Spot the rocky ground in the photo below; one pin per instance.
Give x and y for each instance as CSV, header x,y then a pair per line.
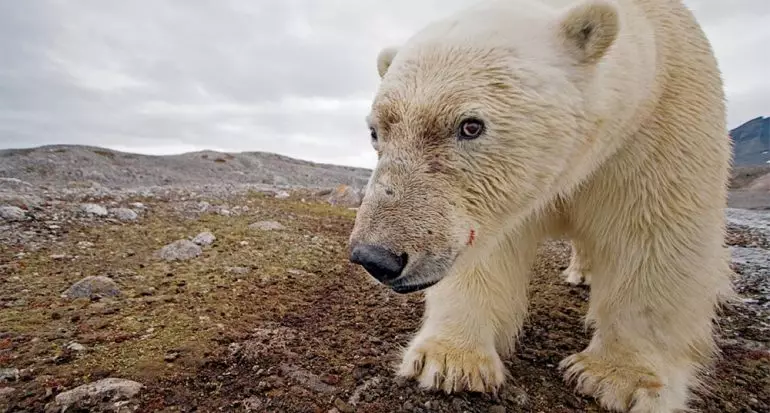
x,y
205,297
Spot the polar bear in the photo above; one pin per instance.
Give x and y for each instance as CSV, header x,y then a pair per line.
x,y
602,121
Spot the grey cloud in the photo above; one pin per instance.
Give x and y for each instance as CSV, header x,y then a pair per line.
x,y
291,76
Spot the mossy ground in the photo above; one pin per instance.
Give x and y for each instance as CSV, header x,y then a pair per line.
x,y
302,330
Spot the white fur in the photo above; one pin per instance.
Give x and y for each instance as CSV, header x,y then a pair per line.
x,y
620,144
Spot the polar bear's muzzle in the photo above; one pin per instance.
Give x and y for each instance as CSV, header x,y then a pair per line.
x,y
397,271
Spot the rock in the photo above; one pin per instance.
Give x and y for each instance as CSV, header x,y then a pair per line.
x,y
252,404
12,213
342,406
518,396
306,379
204,239
91,286
106,395
267,226
282,195
345,195
180,250
137,205
74,346
26,202
237,270
13,183
94,209
9,374
125,214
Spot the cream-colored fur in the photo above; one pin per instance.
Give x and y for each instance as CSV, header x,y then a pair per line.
x,y
605,122
579,270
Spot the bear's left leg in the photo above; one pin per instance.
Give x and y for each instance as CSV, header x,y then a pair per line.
x,y
653,300
472,319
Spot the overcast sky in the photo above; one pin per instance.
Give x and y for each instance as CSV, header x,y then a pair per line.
x,y
288,76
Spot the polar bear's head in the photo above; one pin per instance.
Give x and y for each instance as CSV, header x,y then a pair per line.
x,y
476,120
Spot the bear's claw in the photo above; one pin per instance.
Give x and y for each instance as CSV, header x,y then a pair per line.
x,y
616,387
438,366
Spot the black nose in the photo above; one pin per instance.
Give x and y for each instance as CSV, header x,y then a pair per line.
x,y
379,262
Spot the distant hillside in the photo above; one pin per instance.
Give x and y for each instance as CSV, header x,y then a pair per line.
x,y
752,142
61,164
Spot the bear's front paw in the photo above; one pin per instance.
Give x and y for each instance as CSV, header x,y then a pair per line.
x,y
577,276
438,365
618,387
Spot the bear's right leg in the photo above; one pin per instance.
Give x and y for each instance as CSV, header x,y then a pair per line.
x,y
472,318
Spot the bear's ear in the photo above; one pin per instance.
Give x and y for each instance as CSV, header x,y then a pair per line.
x,y
385,58
589,29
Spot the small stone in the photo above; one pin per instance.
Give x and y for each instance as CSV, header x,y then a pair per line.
x,y
282,195
204,239
267,226
9,374
224,212
180,250
94,209
138,205
171,356
125,214
74,346
12,213
85,244
91,286
58,256
237,270
342,406
252,404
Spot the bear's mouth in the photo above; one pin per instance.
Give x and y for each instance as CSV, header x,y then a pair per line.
x,y
423,273
406,288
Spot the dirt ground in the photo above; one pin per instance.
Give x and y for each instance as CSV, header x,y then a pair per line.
x,y
295,328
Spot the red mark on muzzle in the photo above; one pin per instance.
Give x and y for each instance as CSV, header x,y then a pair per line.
x,y
471,237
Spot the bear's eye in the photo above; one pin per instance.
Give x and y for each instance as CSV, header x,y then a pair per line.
x,y
470,129
373,133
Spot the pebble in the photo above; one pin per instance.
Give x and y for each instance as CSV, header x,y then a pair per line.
x,y
12,213
267,226
125,214
204,239
342,406
94,209
9,374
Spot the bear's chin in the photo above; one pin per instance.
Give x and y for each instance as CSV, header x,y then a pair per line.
x,y
423,273
406,288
